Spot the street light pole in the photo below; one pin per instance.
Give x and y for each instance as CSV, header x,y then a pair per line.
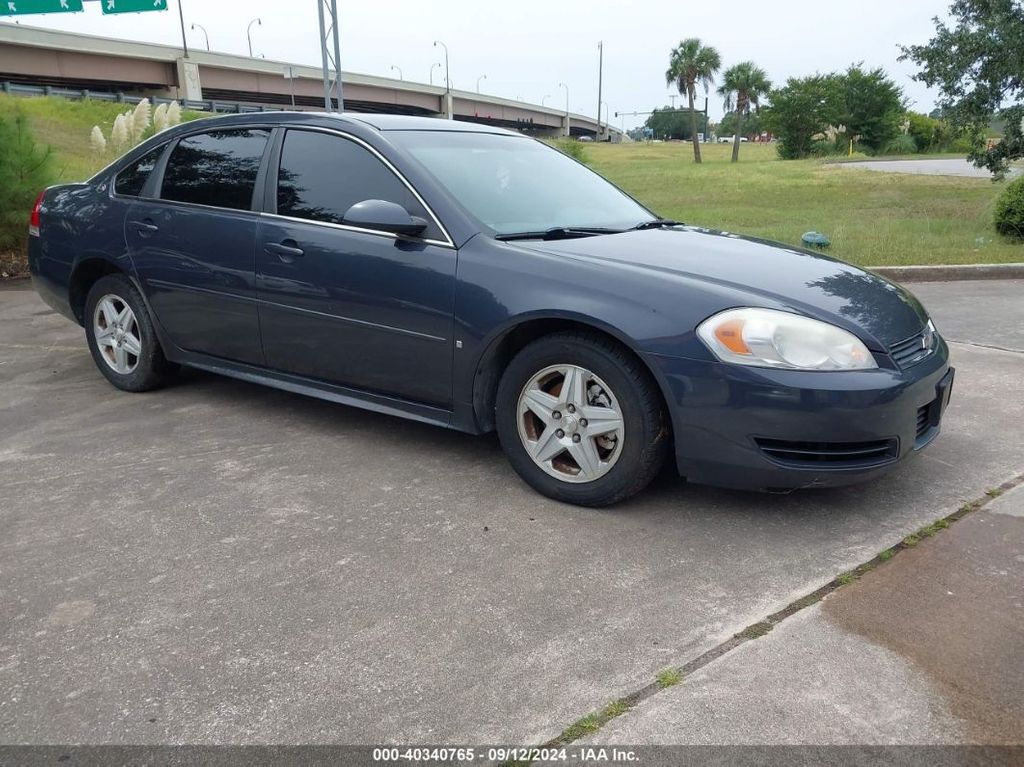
x,y
481,77
435,64
568,132
546,97
248,33
447,81
181,18
399,70
600,76
289,74
202,29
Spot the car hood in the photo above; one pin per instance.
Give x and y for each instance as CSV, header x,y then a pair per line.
x,y
778,275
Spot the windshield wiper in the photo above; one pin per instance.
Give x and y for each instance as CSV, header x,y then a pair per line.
x,y
559,233
658,223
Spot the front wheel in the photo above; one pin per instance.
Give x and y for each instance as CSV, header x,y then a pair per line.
x,y
581,420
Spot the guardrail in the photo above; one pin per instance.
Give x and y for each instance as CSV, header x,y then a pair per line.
x,y
217,107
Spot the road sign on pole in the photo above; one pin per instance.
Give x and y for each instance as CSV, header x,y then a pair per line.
x,y
133,6
26,7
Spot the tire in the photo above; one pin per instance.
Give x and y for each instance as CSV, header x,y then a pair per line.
x,y
628,457
126,351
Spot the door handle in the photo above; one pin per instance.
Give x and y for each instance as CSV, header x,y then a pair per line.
x,y
145,228
286,251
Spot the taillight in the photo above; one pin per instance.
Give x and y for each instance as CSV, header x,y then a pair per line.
x,y
33,222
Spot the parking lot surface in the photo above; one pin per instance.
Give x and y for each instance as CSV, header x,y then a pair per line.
x,y
219,562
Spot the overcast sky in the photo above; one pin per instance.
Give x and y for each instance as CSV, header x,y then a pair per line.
x,y
526,47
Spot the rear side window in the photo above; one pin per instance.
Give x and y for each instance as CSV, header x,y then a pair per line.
x,y
322,176
130,181
216,169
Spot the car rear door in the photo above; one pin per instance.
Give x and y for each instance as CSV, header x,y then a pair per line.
x,y
352,306
193,247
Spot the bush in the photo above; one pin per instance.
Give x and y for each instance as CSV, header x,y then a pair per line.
x,y
1010,210
25,169
902,144
571,147
825,148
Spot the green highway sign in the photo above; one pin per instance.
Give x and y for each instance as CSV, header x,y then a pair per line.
x,y
132,6
25,7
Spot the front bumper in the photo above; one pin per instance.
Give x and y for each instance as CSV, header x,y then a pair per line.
x,y
762,429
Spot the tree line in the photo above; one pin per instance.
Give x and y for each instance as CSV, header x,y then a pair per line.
x,y
975,62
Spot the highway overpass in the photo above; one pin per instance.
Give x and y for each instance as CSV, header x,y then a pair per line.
x,y
35,56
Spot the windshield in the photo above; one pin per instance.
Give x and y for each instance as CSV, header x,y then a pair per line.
x,y
514,184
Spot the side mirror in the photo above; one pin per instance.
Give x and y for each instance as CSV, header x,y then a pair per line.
x,y
385,216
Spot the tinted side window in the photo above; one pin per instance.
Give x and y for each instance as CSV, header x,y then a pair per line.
x,y
322,176
130,181
217,169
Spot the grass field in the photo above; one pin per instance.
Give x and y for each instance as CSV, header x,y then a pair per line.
x,y
65,126
872,218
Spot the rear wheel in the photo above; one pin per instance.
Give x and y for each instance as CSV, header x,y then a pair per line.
x,y
121,336
581,420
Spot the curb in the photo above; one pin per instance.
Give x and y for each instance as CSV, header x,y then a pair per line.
x,y
936,273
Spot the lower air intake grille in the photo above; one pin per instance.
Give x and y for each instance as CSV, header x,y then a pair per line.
x,y
831,455
923,421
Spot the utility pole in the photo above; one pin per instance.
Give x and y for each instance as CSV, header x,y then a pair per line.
x,y
330,53
600,75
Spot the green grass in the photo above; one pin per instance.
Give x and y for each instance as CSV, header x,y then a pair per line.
x,y
65,125
669,677
872,218
593,721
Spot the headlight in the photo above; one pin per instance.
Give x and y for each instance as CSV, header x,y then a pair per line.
x,y
772,339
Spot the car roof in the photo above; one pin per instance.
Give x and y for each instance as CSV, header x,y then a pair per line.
x,y
380,122
386,122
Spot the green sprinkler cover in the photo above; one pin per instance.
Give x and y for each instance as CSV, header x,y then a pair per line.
x,y
816,240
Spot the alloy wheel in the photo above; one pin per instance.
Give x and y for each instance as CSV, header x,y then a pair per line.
x,y
570,423
117,334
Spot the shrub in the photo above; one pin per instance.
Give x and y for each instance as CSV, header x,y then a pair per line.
x,y
571,147
902,144
1009,213
25,169
825,148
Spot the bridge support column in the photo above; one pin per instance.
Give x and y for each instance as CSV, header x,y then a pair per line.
x,y
189,86
566,129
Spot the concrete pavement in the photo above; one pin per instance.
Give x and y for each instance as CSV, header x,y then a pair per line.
x,y
931,167
223,563
925,649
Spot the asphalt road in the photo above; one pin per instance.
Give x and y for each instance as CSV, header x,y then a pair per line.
x,y
219,562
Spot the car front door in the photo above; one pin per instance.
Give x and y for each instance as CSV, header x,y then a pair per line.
x,y
193,248
346,305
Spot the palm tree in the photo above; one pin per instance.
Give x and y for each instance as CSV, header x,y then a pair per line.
x,y
691,63
743,87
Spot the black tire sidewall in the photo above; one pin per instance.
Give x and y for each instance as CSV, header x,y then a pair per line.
x,y
642,454
149,373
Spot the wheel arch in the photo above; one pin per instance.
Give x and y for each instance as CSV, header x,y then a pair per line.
x,y
85,273
511,339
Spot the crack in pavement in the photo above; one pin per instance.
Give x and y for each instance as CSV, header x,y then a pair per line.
x,y
669,677
985,346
